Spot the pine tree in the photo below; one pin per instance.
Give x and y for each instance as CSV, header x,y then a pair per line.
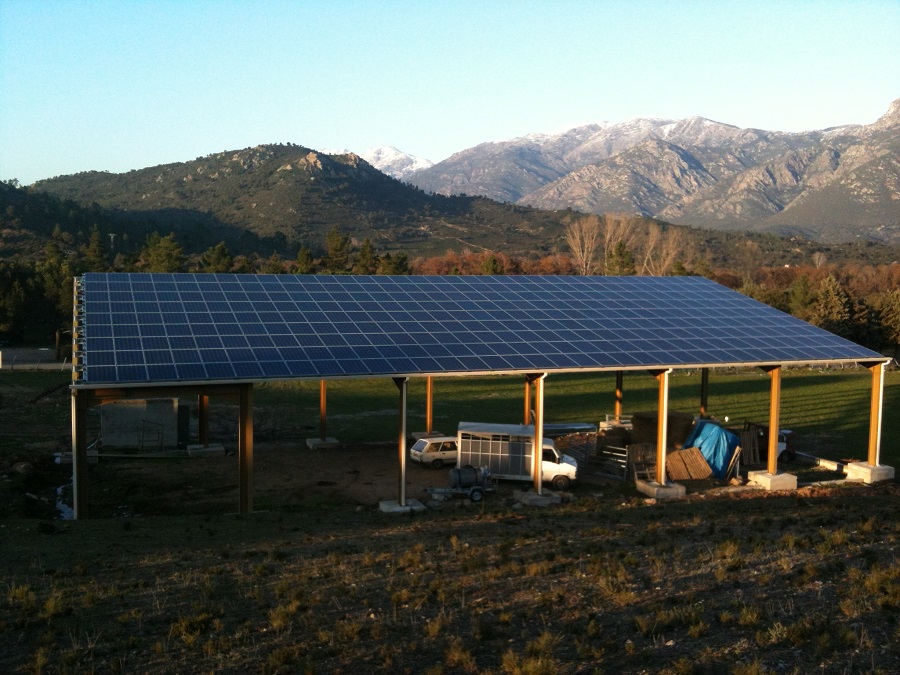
x,y
890,319
366,261
491,266
304,262
274,264
95,257
833,309
216,259
620,262
162,254
393,264
337,252
801,297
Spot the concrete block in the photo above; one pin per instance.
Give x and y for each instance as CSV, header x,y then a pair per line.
x,y
772,481
531,498
657,491
203,450
394,506
320,444
868,473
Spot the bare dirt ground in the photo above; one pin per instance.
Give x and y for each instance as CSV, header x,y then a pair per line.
x,y
167,578
285,475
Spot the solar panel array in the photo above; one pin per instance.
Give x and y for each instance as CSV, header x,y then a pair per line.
x,y
161,328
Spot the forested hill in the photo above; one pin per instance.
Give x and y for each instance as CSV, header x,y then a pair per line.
x,y
279,197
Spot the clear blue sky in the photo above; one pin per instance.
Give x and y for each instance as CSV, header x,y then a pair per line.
x,y
127,84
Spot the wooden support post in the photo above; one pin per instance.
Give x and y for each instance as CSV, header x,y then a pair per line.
x,y
774,416
79,453
245,449
662,420
537,448
526,417
401,383
429,404
620,394
704,391
323,418
203,419
875,413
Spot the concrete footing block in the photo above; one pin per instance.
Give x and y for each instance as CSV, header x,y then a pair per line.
x,y
323,443
869,473
532,498
203,450
772,481
394,506
658,491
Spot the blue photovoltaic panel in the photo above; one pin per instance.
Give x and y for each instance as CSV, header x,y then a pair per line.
x,y
143,328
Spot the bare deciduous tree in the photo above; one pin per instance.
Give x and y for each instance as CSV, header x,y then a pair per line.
x,y
662,247
583,238
819,259
617,229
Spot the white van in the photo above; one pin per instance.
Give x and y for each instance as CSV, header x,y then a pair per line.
x,y
434,452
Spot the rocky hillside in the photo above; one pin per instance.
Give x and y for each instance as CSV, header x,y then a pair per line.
x,y
278,197
838,184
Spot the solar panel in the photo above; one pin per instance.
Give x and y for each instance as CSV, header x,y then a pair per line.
x,y
154,328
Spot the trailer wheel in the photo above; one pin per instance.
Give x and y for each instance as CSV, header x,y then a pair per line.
x,y
476,495
560,482
437,463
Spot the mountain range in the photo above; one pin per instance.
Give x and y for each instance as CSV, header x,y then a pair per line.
x,y
833,185
278,197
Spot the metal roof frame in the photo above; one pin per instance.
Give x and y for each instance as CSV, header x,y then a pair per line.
x,y
140,335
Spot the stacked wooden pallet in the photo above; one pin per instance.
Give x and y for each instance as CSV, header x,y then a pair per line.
x,y
687,464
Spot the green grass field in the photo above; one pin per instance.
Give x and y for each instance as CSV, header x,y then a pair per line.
x,y
830,405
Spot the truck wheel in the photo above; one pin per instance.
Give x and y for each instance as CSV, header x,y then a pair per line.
x,y
787,456
560,482
437,463
476,495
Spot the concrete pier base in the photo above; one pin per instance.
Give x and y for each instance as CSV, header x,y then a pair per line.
x,y
868,473
323,444
772,481
393,506
203,450
657,491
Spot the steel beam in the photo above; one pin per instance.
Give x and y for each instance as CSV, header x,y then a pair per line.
x,y
537,447
620,394
526,415
429,404
774,416
79,453
704,391
402,384
875,413
662,420
323,417
245,450
203,419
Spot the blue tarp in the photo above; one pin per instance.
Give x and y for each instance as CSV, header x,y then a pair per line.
x,y
717,445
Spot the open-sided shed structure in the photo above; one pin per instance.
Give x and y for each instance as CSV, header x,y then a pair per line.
x,y
153,335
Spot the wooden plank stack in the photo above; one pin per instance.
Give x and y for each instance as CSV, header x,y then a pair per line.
x,y
687,464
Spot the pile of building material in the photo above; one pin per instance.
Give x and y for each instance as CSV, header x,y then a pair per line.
x,y
687,464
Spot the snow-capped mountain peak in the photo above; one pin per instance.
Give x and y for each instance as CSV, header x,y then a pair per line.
x,y
394,162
